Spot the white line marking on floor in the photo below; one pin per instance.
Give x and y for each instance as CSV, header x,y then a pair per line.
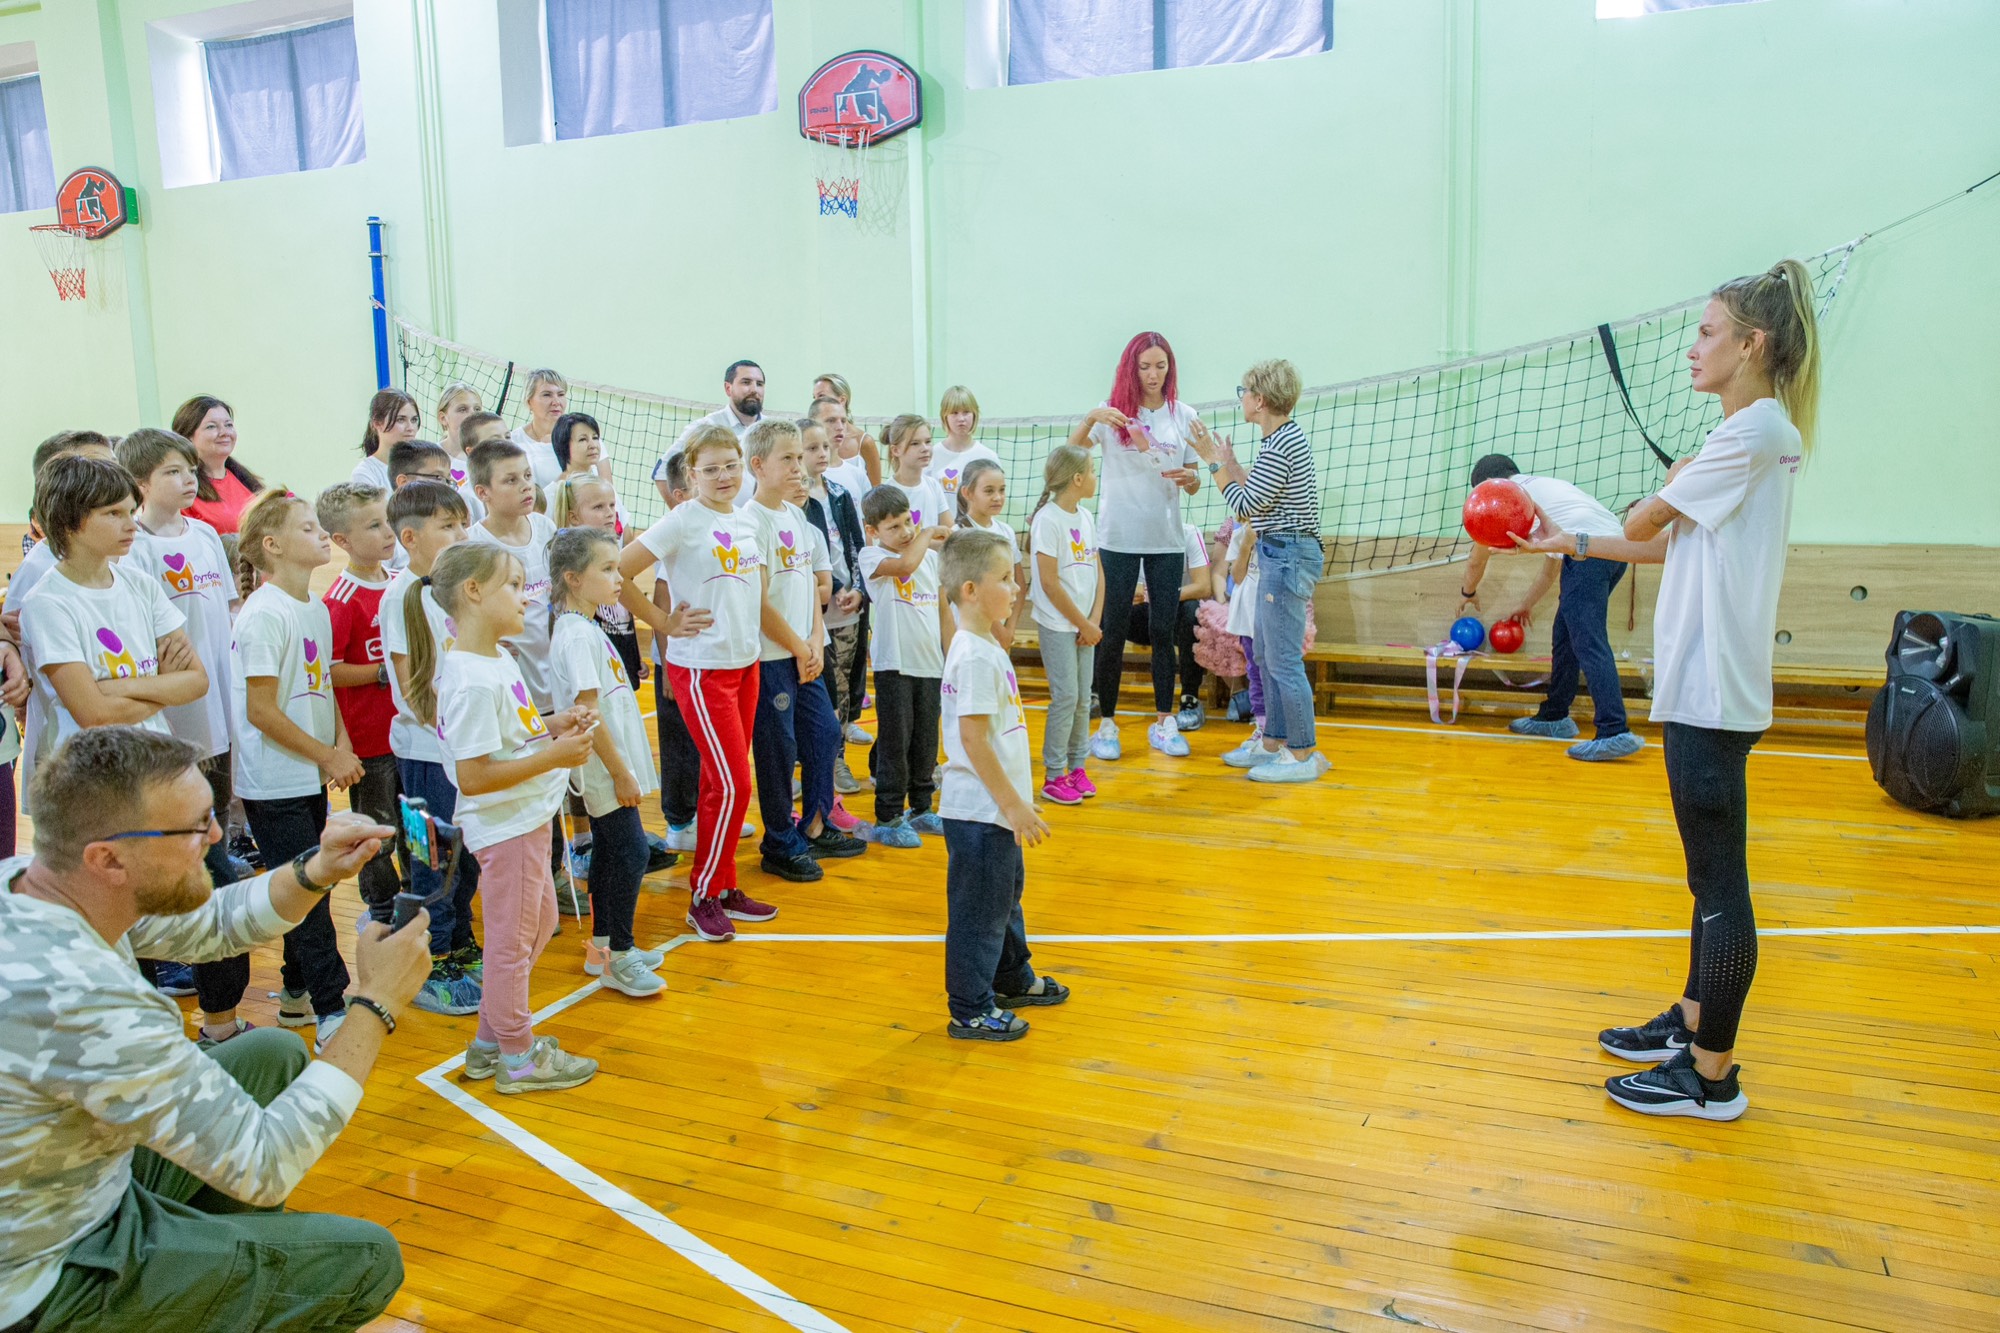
x,y
596,1188
1385,936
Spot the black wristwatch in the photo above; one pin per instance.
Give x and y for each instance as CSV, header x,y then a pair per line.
x,y
299,871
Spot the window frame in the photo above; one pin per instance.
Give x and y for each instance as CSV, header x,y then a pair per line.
x,y
989,45
18,62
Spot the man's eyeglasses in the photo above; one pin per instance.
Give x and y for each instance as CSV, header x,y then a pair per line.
x,y
200,832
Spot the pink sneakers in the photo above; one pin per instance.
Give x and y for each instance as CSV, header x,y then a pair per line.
x,y
1080,783
841,819
1061,791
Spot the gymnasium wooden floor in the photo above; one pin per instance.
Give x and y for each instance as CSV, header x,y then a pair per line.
x,y
1330,1064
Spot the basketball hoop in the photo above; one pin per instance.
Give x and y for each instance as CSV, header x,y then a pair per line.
x,y
65,253
852,109
839,168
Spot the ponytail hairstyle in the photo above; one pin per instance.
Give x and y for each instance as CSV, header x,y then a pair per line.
x,y
899,431
564,501
571,552
382,411
968,479
1125,380
1779,304
456,566
264,517
187,420
1066,463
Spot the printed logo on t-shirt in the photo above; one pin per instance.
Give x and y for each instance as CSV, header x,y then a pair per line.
x,y
734,563
617,665
1079,549
538,591
916,518
118,660
1014,697
949,481
459,476
790,555
315,672
183,580
531,717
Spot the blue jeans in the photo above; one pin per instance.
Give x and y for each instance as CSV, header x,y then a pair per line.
x,y
1288,568
985,935
451,921
1580,639
795,724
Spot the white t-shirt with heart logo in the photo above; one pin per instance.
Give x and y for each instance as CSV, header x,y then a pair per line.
x,y
713,560
291,641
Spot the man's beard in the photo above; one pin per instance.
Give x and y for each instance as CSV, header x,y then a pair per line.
x,y
178,898
751,405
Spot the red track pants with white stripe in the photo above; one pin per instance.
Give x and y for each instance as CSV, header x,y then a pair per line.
x,y
720,708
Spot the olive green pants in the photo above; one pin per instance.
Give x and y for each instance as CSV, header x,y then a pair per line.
x,y
178,1255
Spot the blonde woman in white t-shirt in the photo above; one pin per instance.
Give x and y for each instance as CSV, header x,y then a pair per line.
x,y
1143,433
1720,525
511,768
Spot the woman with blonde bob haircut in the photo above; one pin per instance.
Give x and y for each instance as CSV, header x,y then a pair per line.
x,y
1720,526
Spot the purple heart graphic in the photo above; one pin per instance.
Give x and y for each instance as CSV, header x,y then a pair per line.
x,y
176,561
722,538
110,641
785,536
951,473
1076,534
312,651
916,518
520,692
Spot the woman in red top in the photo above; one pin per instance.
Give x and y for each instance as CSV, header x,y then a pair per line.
x,y
224,487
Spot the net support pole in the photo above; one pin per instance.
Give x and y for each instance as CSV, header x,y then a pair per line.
x,y
917,194
378,303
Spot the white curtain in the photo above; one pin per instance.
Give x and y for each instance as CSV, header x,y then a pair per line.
x,y
621,65
27,172
1083,39
289,101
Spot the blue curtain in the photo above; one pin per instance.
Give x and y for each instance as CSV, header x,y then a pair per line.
x,y
289,101
27,172
1085,39
616,66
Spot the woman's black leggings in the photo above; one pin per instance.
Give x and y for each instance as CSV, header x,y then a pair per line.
x,y
1121,579
1705,774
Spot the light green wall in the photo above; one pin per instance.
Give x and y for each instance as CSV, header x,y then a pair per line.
x,y
1456,175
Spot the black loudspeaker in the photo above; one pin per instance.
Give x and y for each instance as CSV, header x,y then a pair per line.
x,y
1934,728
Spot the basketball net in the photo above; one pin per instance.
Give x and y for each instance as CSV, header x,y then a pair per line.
x,y
65,253
859,179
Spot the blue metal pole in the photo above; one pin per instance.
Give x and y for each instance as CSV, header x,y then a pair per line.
x,y
380,303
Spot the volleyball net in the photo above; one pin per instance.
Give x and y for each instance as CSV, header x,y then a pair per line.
x,y
1608,408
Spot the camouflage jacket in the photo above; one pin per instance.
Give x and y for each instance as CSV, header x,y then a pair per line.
x,y
94,1062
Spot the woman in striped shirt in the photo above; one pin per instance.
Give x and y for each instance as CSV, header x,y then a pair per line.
x,y
1280,495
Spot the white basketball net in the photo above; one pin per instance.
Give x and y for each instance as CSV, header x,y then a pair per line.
x,y
859,179
65,253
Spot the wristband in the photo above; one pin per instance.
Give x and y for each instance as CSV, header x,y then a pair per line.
x,y
364,1002
299,871
1468,596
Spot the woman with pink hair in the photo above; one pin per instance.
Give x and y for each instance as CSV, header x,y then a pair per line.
x,y
1144,432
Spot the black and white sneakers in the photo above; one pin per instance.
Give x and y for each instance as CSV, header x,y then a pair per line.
x,y
1660,1039
1677,1088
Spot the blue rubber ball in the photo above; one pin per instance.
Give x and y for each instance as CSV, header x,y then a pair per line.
x,y
1468,633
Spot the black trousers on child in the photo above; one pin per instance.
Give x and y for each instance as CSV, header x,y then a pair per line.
x,y
904,758
219,986
283,828
618,856
375,796
680,762
1705,775
985,935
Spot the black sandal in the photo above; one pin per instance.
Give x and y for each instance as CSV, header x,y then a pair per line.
x,y
993,1025
1052,992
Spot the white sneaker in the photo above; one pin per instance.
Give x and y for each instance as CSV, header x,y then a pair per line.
x,y
1166,738
855,735
295,1008
628,975
680,837
1288,767
1104,744
324,1028
1251,753
749,831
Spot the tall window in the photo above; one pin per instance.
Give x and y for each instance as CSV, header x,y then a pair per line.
x,y
1049,40
621,65
27,172
286,101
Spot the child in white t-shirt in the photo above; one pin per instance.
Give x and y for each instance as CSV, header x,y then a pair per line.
x,y
1067,600
908,637
716,571
186,557
959,412
429,518
987,804
102,643
587,671
476,429
510,767
909,445
795,725
291,744
982,496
